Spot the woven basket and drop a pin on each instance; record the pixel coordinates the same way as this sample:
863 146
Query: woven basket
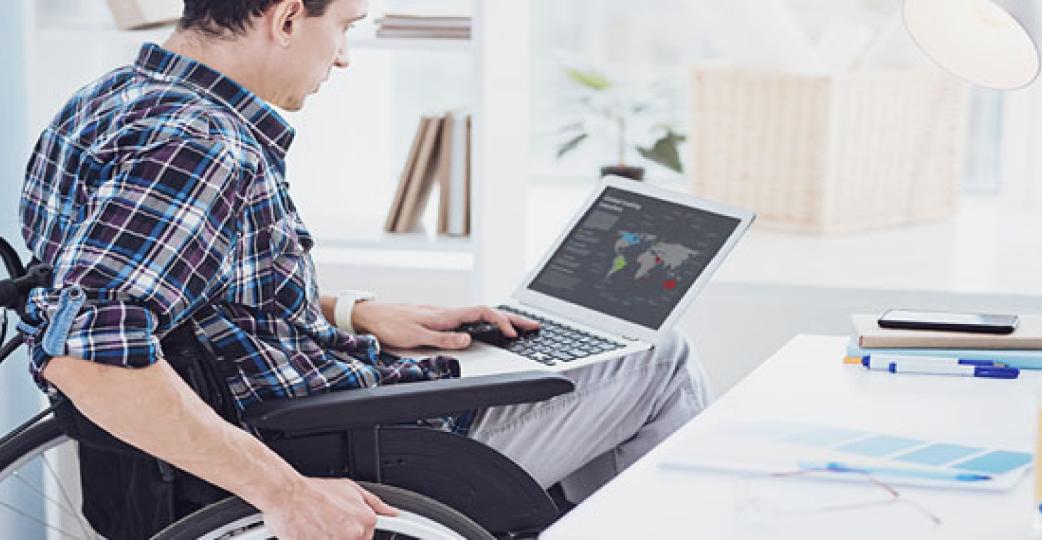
830 153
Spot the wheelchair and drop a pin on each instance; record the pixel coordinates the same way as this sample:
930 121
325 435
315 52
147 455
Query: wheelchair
445 485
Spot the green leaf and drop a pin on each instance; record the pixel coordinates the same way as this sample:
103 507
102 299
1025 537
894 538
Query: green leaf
571 144
589 79
664 151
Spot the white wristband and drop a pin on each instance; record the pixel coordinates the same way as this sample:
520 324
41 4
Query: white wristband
345 305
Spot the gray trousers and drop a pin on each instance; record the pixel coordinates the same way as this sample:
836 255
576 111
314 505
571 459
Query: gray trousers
619 410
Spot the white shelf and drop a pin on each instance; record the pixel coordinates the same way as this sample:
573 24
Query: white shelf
365 38
378 240
410 44
330 256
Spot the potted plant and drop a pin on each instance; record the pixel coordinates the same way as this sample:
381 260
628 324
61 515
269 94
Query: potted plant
603 100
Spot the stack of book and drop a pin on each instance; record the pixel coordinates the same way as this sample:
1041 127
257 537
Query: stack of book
1021 349
440 154
395 25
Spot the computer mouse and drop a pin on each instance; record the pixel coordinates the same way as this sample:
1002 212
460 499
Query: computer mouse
490 333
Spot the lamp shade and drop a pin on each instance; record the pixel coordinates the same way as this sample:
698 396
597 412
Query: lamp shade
992 43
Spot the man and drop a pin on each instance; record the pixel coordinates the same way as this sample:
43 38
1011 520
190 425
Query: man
158 194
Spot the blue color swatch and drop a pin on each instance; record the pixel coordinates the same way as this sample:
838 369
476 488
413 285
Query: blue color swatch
823 436
882 445
937 454
897 450
996 462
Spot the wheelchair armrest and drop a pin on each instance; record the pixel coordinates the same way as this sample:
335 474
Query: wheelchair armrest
408 402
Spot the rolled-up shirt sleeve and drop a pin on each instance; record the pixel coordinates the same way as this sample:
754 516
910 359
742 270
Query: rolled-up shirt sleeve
149 247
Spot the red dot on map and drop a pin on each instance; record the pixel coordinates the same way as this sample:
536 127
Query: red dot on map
669 284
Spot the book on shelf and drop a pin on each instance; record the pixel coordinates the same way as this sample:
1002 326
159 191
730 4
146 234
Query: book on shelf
411 163
421 178
454 175
421 33
1028 335
133 14
399 25
403 20
440 154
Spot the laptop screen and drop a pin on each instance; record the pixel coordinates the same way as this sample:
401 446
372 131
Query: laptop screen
633 257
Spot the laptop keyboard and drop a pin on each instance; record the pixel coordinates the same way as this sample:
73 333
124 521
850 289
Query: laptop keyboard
556 342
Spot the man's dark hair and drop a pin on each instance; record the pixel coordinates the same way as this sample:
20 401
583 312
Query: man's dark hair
218 18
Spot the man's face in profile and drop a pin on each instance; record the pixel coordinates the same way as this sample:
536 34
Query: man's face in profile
318 45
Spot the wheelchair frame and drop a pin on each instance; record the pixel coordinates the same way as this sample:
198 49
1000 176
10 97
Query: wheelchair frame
362 434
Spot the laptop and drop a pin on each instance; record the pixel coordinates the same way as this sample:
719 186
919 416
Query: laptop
616 280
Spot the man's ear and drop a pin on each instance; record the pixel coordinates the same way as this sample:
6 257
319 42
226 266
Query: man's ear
285 19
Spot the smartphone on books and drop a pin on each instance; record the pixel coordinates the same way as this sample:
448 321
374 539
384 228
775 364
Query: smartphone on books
983 323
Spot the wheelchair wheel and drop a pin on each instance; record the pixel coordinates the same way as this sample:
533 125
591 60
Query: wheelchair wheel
39 485
419 517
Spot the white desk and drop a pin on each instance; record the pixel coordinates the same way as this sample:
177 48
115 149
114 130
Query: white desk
806 381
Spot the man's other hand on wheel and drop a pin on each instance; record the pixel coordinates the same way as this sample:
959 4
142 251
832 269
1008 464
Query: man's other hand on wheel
334 508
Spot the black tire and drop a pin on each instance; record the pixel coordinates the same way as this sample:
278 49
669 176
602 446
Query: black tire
220 515
43 433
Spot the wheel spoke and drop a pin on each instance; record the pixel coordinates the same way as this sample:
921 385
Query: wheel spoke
65 506
37 520
17 453
36 489
71 508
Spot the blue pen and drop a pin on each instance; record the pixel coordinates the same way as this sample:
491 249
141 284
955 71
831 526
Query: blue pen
833 466
988 372
883 361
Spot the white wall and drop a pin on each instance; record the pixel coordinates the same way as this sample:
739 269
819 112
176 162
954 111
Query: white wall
736 326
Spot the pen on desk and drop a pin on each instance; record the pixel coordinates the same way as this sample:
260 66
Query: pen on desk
927 365
832 466
989 372
883 361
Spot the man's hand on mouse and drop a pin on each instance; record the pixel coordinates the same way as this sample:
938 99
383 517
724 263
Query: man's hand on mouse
406 326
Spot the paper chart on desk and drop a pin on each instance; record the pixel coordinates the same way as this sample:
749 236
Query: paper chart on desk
781 447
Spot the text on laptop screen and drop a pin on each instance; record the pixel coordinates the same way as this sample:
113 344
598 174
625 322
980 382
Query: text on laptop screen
633 257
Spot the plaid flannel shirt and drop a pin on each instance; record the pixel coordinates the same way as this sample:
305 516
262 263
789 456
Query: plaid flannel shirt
158 194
